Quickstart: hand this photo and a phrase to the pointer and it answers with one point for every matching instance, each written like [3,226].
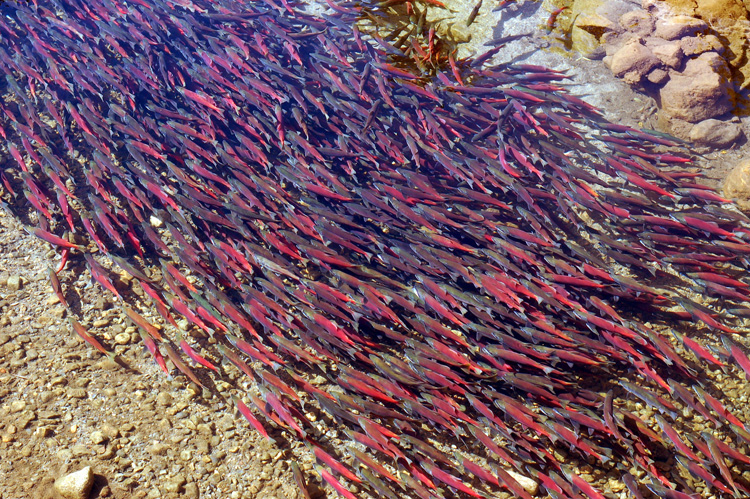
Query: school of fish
[459,253]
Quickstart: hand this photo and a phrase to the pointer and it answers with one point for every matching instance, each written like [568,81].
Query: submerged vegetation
[474,260]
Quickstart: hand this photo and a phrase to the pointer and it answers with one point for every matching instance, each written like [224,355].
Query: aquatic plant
[468,259]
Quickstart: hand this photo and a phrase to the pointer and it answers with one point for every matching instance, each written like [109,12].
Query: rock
[694,45]
[737,185]
[527,483]
[700,92]
[77,393]
[191,491]
[158,449]
[586,32]
[175,484]
[14,282]
[658,76]
[638,22]
[97,437]
[669,53]
[633,62]
[715,133]
[122,339]
[586,27]
[164,399]
[714,10]
[76,485]
[17,406]
[677,27]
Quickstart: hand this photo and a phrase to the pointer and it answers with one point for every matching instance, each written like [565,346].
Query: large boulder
[700,92]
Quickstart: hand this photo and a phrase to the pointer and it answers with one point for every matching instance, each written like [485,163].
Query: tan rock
[715,133]
[583,41]
[76,485]
[713,10]
[638,21]
[694,45]
[633,62]
[587,31]
[699,65]
[658,76]
[530,485]
[737,185]
[700,92]
[669,53]
[674,28]
[612,41]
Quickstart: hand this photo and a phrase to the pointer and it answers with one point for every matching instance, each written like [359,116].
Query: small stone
[80,450]
[97,437]
[122,339]
[52,300]
[186,455]
[191,491]
[164,399]
[17,406]
[77,393]
[76,485]
[42,432]
[677,27]
[175,484]
[101,322]
[14,282]
[158,449]
[155,222]
[527,483]
[715,133]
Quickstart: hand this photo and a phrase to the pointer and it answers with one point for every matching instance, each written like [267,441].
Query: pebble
[175,484]
[164,399]
[158,449]
[77,393]
[101,322]
[527,483]
[80,450]
[122,339]
[191,491]
[17,406]
[76,485]
[14,282]
[97,437]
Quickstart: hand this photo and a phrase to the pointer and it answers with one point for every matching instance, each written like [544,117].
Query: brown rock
[674,28]
[713,10]
[638,22]
[669,53]
[737,185]
[715,133]
[658,76]
[694,45]
[612,41]
[633,62]
[700,92]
